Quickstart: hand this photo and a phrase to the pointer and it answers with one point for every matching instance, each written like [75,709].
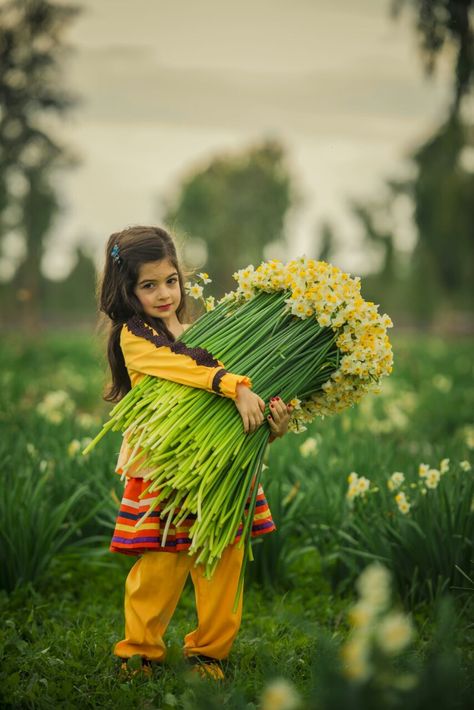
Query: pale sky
[167,85]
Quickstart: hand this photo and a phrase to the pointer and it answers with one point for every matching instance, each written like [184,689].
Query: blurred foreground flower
[373,586]
[394,632]
[280,694]
[378,632]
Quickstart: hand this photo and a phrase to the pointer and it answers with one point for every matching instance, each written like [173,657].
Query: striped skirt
[134,541]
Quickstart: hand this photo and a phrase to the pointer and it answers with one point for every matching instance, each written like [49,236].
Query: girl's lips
[164,308]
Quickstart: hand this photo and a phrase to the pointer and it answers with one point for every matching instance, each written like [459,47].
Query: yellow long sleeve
[146,354]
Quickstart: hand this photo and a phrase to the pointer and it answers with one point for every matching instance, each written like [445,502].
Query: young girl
[142,293]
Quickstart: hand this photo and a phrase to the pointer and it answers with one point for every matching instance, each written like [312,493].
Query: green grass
[57,642]
[62,611]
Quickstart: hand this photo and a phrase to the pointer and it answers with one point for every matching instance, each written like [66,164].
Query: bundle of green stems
[198,458]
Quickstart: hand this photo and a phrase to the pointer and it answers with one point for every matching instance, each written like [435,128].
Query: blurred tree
[30,52]
[441,269]
[443,193]
[378,235]
[327,242]
[439,22]
[237,205]
[73,296]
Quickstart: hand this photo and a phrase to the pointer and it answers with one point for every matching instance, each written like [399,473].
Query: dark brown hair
[116,297]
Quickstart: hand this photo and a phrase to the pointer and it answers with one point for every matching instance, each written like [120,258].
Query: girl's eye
[170,281]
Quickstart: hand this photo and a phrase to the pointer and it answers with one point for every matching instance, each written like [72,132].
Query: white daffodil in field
[442,383]
[86,420]
[308,447]
[395,480]
[394,632]
[358,486]
[432,478]
[205,278]
[468,433]
[402,503]
[352,492]
[74,448]
[444,466]
[465,465]
[280,694]
[55,406]
[363,485]
[31,449]
[423,469]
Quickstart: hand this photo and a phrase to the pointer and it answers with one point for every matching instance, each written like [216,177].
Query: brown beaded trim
[216,382]
[137,327]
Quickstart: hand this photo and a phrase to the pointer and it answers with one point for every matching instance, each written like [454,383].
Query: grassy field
[61,591]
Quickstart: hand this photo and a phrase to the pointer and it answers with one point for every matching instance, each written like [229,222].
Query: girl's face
[158,290]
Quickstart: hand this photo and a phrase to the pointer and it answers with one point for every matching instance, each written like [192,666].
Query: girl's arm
[147,353]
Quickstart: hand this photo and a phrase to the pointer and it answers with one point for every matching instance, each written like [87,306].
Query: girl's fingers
[277,406]
[280,413]
[255,423]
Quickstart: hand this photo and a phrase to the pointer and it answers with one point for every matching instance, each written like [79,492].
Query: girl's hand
[251,408]
[279,418]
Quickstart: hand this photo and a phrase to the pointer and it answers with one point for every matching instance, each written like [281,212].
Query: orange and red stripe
[133,541]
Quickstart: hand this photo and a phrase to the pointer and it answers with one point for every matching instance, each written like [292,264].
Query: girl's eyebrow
[175,273]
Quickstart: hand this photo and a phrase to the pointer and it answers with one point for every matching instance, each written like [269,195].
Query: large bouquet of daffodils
[300,330]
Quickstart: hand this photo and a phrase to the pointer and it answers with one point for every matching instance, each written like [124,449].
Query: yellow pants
[152,590]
